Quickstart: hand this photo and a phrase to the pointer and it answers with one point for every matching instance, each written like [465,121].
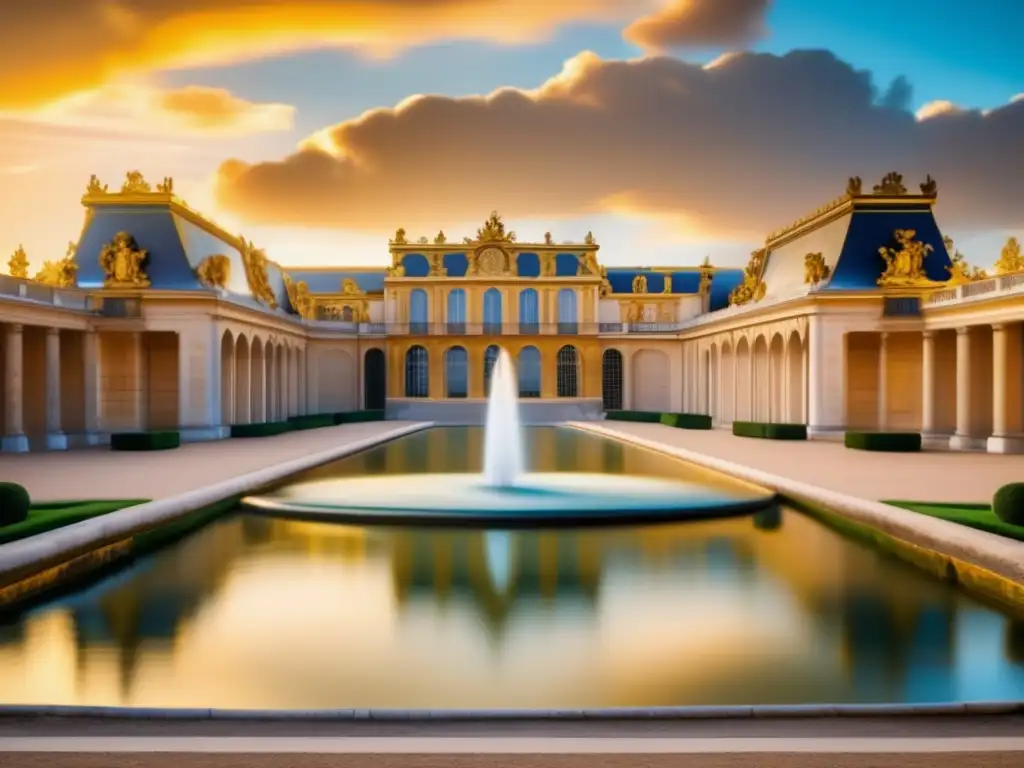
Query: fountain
[505,493]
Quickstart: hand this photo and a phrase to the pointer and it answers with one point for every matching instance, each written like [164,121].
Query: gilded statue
[135,183]
[299,297]
[704,286]
[605,290]
[214,271]
[548,266]
[667,288]
[634,312]
[399,238]
[892,184]
[493,231]
[854,186]
[1010,258]
[904,265]
[589,239]
[423,240]
[547,239]
[255,262]
[166,186]
[124,263]
[397,270]
[18,265]
[440,239]
[95,187]
[753,287]
[586,264]
[929,187]
[350,287]
[815,269]
[960,271]
[640,283]
[62,273]
[437,267]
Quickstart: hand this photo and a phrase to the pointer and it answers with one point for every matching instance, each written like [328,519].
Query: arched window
[456,372]
[417,373]
[529,311]
[490,358]
[419,311]
[374,380]
[567,375]
[611,380]
[457,310]
[567,320]
[528,367]
[492,312]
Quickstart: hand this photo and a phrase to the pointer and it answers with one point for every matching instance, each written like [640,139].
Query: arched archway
[744,382]
[374,380]
[227,378]
[728,383]
[417,372]
[761,383]
[794,373]
[243,377]
[567,372]
[611,380]
[529,372]
[651,379]
[529,311]
[492,311]
[258,382]
[777,410]
[419,311]
[456,372]
[568,320]
[490,358]
[711,383]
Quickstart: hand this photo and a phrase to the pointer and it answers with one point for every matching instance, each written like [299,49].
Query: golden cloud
[744,146]
[55,48]
[700,23]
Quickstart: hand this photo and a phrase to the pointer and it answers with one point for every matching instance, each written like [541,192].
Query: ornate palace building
[859,315]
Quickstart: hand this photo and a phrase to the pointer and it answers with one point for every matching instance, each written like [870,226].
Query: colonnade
[261,381]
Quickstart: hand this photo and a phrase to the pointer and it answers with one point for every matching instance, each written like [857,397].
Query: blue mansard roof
[329,280]
[683,282]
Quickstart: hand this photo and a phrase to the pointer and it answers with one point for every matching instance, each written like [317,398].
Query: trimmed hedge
[892,442]
[686,420]
[1008,504]
[768,519]
[769,431]
[650,417]
[355,417]
[260,430]
[316,421]
[14,504]
[145,441]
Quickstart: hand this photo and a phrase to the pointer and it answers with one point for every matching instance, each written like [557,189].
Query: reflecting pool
[258,612]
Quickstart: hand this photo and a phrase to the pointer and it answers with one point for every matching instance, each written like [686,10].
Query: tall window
[419,311]
[374,379]
[568,364]
[417,372]
[611,380]
[567,320]
[528,367]
[529,311]
[457,310]
[492,311]
[456,372]
[490,358]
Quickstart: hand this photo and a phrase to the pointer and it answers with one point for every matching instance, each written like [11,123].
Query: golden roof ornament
[892,185]
[493,231]
[440,239]
[256,275]
[350,287]
[605,288]
[547,239]
[399,238]
[548,265]
[62,273]
[753,287]
[854,186]
[396,270]
[95,187]
[1010,258]
[589,239]
[640,283]
[929,187]
[123,263]
[134,183]
[18,265]
[815,269]
[437,267]
[904,265]
[166,186]
[299,297]
[214,271]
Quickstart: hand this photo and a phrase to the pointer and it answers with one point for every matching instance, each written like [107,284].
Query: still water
[253,612]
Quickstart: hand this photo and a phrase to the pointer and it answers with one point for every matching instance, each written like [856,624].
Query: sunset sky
[671,129]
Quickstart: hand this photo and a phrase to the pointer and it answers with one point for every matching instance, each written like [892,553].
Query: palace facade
[859,315]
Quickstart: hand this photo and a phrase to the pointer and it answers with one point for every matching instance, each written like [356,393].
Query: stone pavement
[99,473]
[927,476]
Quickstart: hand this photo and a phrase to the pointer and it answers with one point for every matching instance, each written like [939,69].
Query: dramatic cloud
[743,146]
[182,111]
[53,48]
[700,23]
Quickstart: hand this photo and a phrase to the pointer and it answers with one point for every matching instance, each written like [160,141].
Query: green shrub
[260,430]
[14,504]
[144,441]
[314,421]
[893,442]
[769,430]
[768,519]
[748,429]
[1008,504]
[686,420]
[355,417]
[649,417]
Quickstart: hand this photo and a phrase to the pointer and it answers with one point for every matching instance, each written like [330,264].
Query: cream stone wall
[162,395]
[121,381]
[72,382]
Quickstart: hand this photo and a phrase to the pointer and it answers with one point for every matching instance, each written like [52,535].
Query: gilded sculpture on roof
[62,273]
[95,187]
[255,262]
[586,264]
[166,186]
[493,231]
[548,240]
[135,183]
[548,265]
[350,287]
[18,265]
[605,290]
[399,238]
[437,267]
[440,239]
[960,271]
[124,263]
[300,298]
[904,264]
[891,184]
[214,271]
[752,288]
[640,284]
[854,186]
[815,269]
[1010,258]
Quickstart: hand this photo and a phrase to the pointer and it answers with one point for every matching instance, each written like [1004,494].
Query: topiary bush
[649,417]
[14,504]
[892,442]
[144,441]
[748,429]
[686,420]
[312,421]
[1008,504]
[260,430]
[785,431]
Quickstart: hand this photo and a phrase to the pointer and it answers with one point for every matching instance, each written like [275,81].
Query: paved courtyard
[99,473]
[926,476]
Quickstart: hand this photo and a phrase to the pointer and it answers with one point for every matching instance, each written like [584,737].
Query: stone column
[883,380]
[1002,440]
[627,380]
[751,388]
[199,383]
[14,439]
[962,439]
[927,383]
[826,395]
[91,386]
[56,440]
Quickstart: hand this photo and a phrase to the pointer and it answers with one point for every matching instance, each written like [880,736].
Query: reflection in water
[258,612]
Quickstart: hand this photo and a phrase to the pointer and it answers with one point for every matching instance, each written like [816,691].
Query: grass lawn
[979,516]
[45,517]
